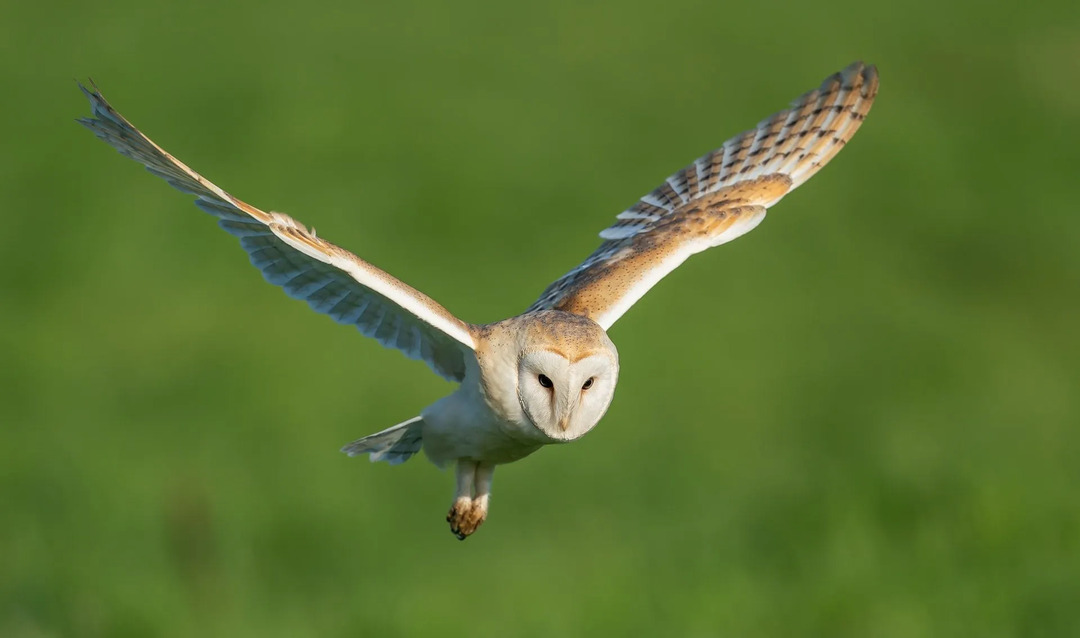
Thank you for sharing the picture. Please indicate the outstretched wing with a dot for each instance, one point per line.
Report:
(721, 196)
(331, 279)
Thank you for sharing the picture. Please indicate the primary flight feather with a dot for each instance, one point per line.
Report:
(548, 375)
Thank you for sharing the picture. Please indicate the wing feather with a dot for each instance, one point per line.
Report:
(330, 279)
(719, 197)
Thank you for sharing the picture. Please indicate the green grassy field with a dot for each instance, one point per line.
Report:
(862, 419)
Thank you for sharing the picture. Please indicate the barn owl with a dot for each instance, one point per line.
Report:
(547, 375)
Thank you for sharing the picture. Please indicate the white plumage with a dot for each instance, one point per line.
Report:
(548, 375)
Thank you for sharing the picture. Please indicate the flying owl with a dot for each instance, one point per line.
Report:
(547, 375)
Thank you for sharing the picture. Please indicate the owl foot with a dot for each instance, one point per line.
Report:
(465, 516)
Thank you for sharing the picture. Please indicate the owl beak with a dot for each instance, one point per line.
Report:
(567, 403)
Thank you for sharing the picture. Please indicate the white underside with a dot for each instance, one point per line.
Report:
(464, 426)
(461, 426)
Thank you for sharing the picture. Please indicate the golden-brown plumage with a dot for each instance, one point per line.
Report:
(715, 199)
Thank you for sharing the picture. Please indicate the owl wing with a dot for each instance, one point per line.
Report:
(718, 198)
(331, 279)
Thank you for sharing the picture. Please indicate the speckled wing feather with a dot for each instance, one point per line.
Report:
(719, 197)
(332, 280)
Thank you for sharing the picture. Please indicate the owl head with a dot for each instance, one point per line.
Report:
(567, 372)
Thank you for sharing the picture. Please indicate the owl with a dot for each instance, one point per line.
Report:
(549, 374)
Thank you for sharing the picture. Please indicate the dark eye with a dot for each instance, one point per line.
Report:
(588, 384)
(544, 381)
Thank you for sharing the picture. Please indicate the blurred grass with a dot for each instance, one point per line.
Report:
(861, 419)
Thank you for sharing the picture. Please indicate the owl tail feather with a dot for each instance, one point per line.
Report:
(393, 445)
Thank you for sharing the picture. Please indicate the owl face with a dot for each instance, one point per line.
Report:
(563, 396)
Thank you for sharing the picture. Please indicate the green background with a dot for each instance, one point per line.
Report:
(863, 419)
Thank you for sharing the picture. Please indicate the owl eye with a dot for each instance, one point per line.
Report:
(588, 384)
(544, 381)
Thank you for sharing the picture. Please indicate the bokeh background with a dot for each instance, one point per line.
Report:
(863, 419)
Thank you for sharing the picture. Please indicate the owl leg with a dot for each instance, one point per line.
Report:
(482, 494)
(463, 498)
(471, 501)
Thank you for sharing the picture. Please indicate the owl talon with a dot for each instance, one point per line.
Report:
(465, 517)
